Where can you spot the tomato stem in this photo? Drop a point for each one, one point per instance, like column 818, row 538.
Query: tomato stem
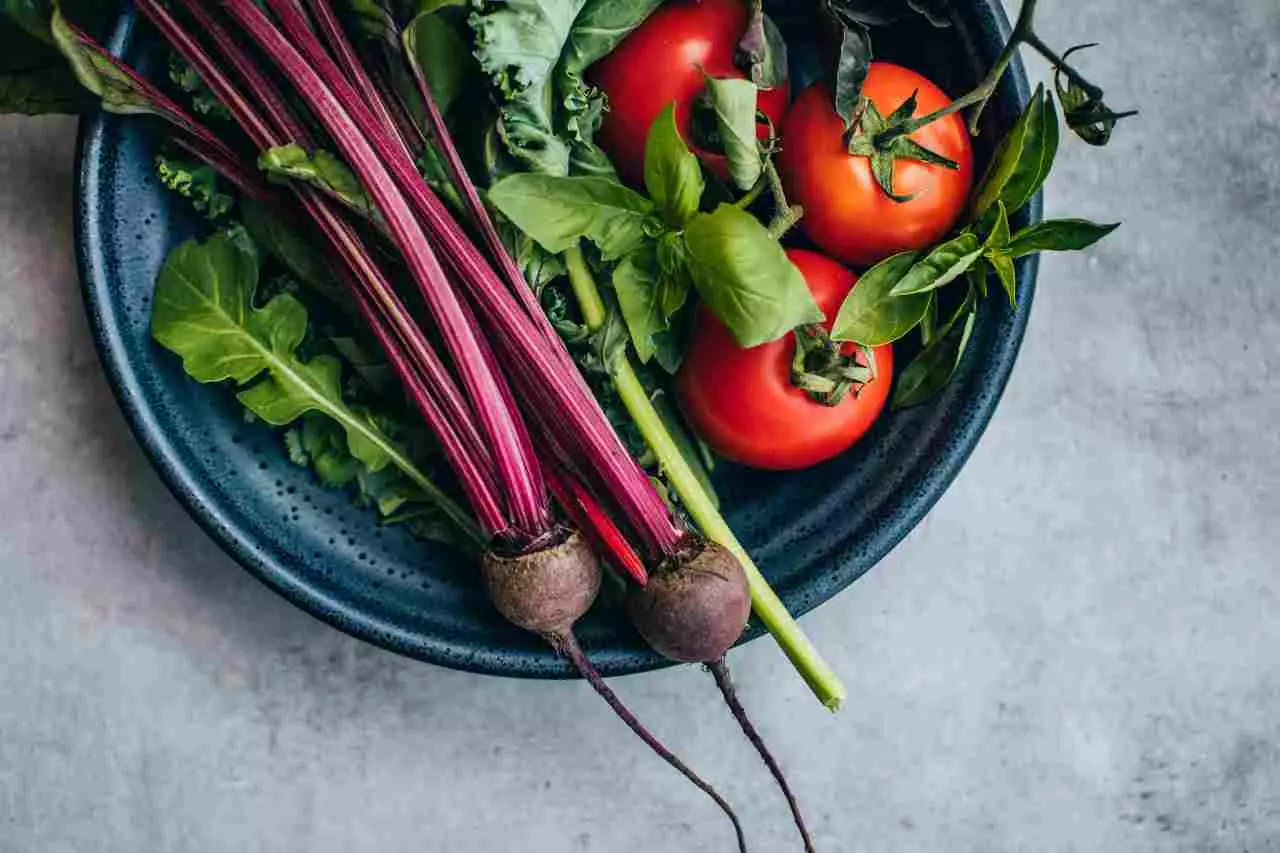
column 701, row 507
column 1023, row 33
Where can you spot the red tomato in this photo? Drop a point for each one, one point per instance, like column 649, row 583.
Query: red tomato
column 846, row 212
column 663, row 61
column 742, row 403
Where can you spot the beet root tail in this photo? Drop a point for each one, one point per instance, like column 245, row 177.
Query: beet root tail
column 720, row 672
column 567, row 646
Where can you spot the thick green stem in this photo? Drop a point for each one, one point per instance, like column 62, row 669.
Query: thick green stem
column 699, row 504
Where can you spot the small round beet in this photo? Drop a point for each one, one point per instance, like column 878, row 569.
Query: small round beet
column 545, row 591
column 695, row 607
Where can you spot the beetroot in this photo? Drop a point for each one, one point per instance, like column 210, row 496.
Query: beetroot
column 696, row 606
column 546, row 591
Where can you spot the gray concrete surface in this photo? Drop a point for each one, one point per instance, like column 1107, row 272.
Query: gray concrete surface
column 1079, row 650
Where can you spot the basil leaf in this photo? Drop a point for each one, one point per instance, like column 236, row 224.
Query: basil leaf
column 648, row 298
column 1023, row 159
column 557, row 212
column 941, row 266
column 433, row 46
column 1008, row 275
column 998, row 239
column 872, row 315
column 1058, row 235
column 671, row 171
column 734, row 103
column 745, row 277
column 930, row 371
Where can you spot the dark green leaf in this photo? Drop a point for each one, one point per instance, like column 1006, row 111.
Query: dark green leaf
column 599, row 27
column 1023, row 159
column 734, row 104
column 998, row 238
column 930, row 371
column 879, row 13
column 1058, row 235
column 648, row 298
column 872, row 315
column 518, row 44
column 292, row 249
column 433, row 45
column 762, row 52
column 851, row 70
column 941, row 266
column 557, row 212
column 745, row 278
column 203, row 100
column 672, row 173
column 1007, row 274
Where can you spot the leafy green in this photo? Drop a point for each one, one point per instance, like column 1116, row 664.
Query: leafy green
column 1058, row 235
column 872, row 315
column 439, row 51
column 203, row 100
column 117, row 91
column 672, row 173
column 943, row 265
column 204, row 312
column 282, row 241
column 557, row 212
column 1023, row 160
column 933, row 368
column 745, row 278
column 649, row 298
column 319, row 169
column 761, row 52
column 196, row 182
column 518, row 44
column 733, row 102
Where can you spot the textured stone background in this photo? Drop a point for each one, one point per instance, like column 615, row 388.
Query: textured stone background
column 1079, row 650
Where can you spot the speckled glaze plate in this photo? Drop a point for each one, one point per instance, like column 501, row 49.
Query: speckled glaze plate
column 813, row 533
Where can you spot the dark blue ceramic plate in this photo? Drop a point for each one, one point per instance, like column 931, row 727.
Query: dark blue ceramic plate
column 813, row 533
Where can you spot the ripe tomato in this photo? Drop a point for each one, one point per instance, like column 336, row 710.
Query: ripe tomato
column 846, row 212
column 663, row 61
column 743, row 404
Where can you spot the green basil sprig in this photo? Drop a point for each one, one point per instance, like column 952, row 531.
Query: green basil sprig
column 664, row 246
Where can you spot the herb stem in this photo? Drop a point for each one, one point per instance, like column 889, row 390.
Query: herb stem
column 700, row 505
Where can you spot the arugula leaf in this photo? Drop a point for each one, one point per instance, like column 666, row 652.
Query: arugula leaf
column 733, row 102
column 672, row 173
column 204, row 312
column 559, row 211
column 745, row 277
column 871, row 315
